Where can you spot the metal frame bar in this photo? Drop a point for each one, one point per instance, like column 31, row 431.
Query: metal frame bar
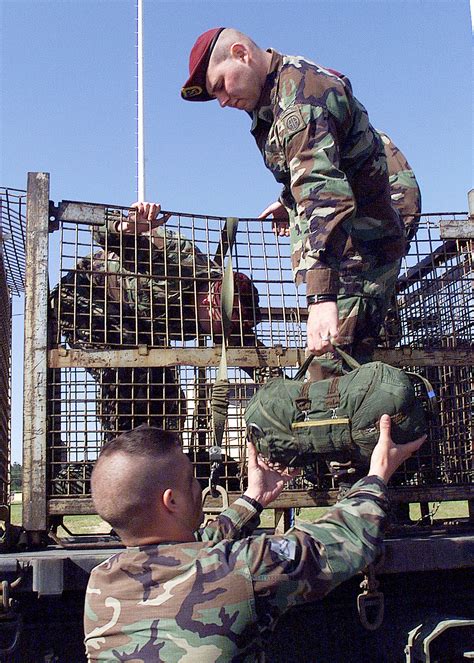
column 291, row 499
column 240, row 357
column 35, row 388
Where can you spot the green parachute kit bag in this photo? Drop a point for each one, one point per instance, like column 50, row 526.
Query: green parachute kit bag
column 295, row 422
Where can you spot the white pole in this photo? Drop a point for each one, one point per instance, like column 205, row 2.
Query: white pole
column 140, row 125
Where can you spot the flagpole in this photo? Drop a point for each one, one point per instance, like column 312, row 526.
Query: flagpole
column 140, row 123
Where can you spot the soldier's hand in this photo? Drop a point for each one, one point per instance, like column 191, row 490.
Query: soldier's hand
column 388, row 456
column 143, row 217
column 322, row 327
column 281, row 221
column 265, row 482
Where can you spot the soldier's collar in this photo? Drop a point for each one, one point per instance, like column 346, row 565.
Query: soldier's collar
column 264, row 108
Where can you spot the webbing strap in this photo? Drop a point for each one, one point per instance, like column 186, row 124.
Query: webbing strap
column 332, row 397
column 311, row 423
column 220, row 390
column 350, row 361
column 303, row 368
column 430, row 392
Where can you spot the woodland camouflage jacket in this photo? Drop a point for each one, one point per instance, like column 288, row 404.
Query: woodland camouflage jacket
column 316, row 139
column 216, row 598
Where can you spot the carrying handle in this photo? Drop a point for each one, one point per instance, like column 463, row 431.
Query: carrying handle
column 350, row 361
column 431, row 401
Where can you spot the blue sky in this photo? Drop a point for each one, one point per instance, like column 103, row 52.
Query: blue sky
column 68, row 99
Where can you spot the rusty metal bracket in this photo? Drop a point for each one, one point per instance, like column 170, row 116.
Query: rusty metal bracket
column 370, row 603
column 213, row 510
column 10, row 619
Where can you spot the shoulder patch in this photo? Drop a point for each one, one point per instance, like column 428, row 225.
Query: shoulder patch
column 284, row 548
column 292, row 121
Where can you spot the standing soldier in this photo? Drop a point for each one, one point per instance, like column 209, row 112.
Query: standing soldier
column 315, row 137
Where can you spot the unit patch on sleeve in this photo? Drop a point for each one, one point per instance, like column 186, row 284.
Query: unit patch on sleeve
column 292, row 121
column 284, row 548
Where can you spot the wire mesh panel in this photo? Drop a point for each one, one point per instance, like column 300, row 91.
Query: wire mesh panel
column 5, row 353
column 12, row 272
column 12, row 231
column 136, row 334
column 436, row 312
column 122, row 300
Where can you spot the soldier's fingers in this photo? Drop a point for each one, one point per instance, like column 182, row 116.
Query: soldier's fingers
column 252, row 454
column 150, row 211
column 410, row 447
column 269, row 210
column 385, row 425
column 140, row 207
column 161, row 221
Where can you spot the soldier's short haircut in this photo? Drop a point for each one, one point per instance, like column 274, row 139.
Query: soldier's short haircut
column 124, row 494
column 142, row 441
column 227, row 37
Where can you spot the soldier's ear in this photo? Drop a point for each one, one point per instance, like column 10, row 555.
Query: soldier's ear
column 168, row 500
column 239, row 52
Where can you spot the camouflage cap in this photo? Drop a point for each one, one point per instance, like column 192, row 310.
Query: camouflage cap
column 195, row 87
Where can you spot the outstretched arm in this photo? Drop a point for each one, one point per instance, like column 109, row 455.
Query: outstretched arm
column 265, row 483
column 313, row 558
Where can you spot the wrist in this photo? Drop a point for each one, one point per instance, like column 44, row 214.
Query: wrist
column 318, row 299
column 257, row 505
column 380, row 473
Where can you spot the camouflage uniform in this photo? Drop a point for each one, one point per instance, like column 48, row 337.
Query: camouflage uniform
column 218, row 598
column 135, row 290
column 346, row 237
column 404, row 189
column 406, row 198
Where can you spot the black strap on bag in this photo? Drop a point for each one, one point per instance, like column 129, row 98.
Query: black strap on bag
column 430, row 395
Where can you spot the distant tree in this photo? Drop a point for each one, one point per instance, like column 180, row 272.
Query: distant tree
column 16, row 477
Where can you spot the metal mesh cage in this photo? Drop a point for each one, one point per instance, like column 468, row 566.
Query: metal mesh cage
column 108, row 302
column 134, row 337
column 12, row 235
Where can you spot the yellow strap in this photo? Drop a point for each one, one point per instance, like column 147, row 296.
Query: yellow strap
column 321, row 422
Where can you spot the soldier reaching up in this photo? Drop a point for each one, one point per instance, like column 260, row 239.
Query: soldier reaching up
column 213, row 596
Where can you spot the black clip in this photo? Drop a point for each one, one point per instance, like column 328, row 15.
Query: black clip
column 370, row 604
column 215, row 456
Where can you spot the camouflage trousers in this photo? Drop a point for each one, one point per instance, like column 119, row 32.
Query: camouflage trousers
column 362, row 304
column 130, row 397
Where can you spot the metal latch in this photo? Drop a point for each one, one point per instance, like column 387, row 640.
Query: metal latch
column 338, row 469
column 215, row 456
column 10, row 619
column 214, row 510
column 370, row 604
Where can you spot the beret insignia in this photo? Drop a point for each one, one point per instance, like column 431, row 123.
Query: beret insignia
column 192, row 91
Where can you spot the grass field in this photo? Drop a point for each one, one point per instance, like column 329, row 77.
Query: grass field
column 94, row 524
